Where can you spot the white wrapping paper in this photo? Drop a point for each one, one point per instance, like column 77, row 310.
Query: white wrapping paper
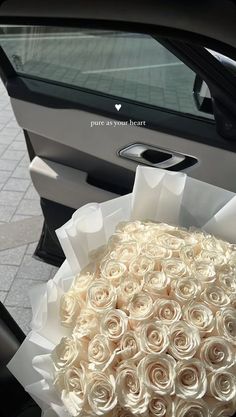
column 157, row 195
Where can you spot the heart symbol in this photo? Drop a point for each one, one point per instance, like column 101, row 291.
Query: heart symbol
column 118, row 107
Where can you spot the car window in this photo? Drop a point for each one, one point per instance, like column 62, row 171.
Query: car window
column 126, row 65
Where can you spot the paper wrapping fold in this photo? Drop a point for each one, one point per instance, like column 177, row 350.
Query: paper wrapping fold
column 157, row 195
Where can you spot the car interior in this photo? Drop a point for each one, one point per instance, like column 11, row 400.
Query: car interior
column 100, row 87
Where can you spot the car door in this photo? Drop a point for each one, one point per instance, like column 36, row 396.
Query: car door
column 101, row 88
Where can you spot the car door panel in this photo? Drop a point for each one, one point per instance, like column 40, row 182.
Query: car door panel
column 96, row 146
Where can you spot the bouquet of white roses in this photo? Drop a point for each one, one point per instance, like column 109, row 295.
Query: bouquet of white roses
column 141, row 317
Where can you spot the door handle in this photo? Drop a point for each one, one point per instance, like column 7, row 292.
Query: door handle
column 156, row 157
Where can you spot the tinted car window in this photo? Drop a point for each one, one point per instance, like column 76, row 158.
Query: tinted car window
column 126, row 65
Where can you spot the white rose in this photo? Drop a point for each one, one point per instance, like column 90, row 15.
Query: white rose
column 228, row 282
column 83, row 281
column 167, row 311
column 210, row 243
column 157, row 373
column 170, row 242
column 121, row 412
column 70, row 306
column 185, row 289
column 188, row 253
column 113, row 271
column 215, row 297
column 101, row 395
column 100, row 352
column 160, row 406
column 125, row 252
column 204, row 271
column 156, row 252
column 129, row 227
column 141, row 265
column 127, row 289
column 71, row 386
column 154, row 337
column 216, row 353
column 226, row 323
column 129, row 345
column 141, row 307
column 175, row 268
column 217, row 258
column 184, row 340
column 200, row 316
column 191, row 380
column 70, row 351
column 222, row 409
column 222, row 385
column 86, row 324
column 131, row 393
column 156, row 283
column 160, row 228
column 191, row 408
column 101, row 296
column 114, row 324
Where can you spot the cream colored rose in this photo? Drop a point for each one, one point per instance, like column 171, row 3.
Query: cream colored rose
column 71, row 385
column 216, row 258
column 100, row 351
column 101, row 296
column 141, row 265
column 167, row 311
column 204, row 271
column 157, row 373
column 70, row 351
column 114, row 324
column 188, row 253
column 125, row 252
column 185, row 289
column 222, row 385
column 129, row 227
column 114, row 271
column 120, row 412
column 170, row 242
column 226, row 323
column 86, row 324
column 210, row 243
column 175, row 268
column 154, row 337
column 184, row 340
column 191, row 408
column 141, row 307
column 156, row 252
column 70, row 306
column 156, row 283
column 127, row 289
column 101, row 392
column 131, row 392
column 129, row 345
column 83, row 281
column 227, row 282
column 200, row 316
column 215, row 297
column 222, row 409
column 160, row 406
column 216, row 353
column 191, row 380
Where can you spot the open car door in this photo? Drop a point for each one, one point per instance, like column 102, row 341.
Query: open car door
column 100, row 87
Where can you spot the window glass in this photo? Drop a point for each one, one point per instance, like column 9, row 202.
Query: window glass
column 131, row 66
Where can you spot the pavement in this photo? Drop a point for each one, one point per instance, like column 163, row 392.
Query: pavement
column 20, row 220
